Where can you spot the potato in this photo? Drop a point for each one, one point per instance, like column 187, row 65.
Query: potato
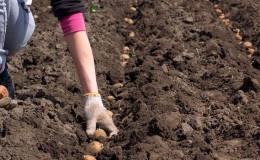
column 124, row 57
column 35, row 16
column 118, row 85
column 221, row 16
column 218, row 11
column 226, row 21
column 126, row 19
column 88, row 157
column 215, row 6
column 237, row 30
column 238, row 37
column 100, row 133
column 133, row 9
column 95, row 147
column 111, row 98
column 130, row 21
column 250, row 51
column 123, row 64
column 132, row 34
column 247, row 44
column 3, row 92
column 126, row 48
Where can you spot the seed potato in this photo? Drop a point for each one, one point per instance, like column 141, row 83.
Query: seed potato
column 133, row 9
column 238, row 37
column 118, row 85
column 247, row 44
column 100, row 133
column 95, row 147
column 132, row 34
column 250, row 51
column 88, row 157
column 3, row 92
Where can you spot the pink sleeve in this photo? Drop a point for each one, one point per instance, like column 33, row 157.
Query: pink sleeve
column 72, row 23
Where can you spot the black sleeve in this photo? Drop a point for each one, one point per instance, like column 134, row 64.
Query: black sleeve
column 62, row 8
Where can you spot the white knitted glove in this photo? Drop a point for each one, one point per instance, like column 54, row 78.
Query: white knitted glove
column 96, row 114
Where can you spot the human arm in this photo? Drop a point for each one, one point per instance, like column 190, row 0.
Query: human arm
column 74, row 30
column 95, row 112
column 81, row 52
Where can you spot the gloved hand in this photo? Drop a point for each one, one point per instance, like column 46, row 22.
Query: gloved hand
column 96, row 114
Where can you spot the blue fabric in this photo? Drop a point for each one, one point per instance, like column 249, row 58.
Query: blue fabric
column 20, row 25
column 6, row 81
column 16, row 28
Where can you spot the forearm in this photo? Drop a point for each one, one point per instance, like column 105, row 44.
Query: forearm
column 82, row 55
column 69, row 13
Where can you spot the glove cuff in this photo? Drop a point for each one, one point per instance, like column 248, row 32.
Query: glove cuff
column 90, row 94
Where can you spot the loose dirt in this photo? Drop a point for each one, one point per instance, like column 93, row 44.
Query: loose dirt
column 189, row 91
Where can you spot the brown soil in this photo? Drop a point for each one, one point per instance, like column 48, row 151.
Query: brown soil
column 190, row 90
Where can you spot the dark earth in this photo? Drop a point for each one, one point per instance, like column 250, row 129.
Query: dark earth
column 190, row 91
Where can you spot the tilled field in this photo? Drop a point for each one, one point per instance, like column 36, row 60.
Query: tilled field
column 190, row 88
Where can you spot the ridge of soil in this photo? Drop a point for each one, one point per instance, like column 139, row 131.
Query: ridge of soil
column 190, row 91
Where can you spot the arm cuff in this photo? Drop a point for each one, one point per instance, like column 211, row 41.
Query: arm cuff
column 91, row 94
column 72, row 23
